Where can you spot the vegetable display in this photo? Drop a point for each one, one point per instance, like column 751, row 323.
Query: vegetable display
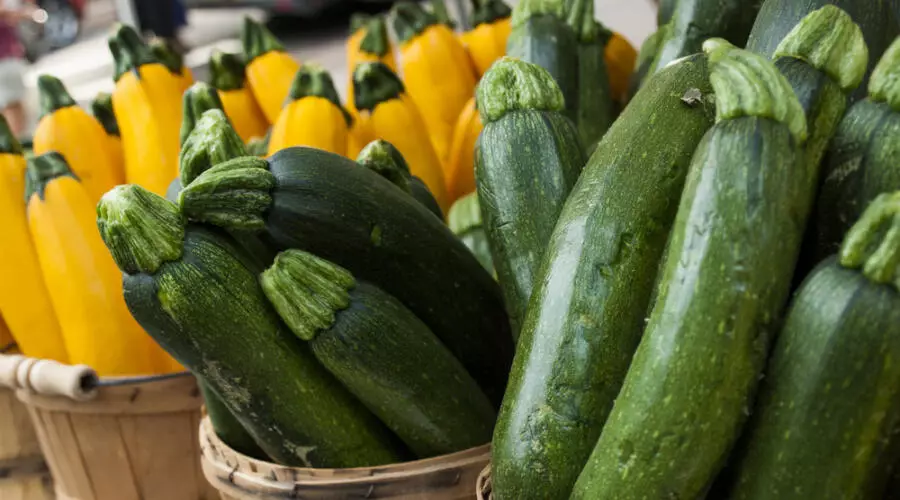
column 486, row 40
column 102, row 109
column 384, row 159
column 227, row 76
column 270, row 70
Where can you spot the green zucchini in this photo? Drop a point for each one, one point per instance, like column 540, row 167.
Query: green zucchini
column 323, row 203
column 212, row 140
column 465, row 221
column 863, row 159
column 196, row 293
column 825, row 424
column 665, row 11
column 694, row 21
column 198, row 99
column 259, row 146
column 591, row 293
column 541, row 36
column 385, row 160
column 407, row 377
column 227, row 427
column 727, row 274
column 645, row 58
column 596, row 109
column 527, row 159
column 777, row 18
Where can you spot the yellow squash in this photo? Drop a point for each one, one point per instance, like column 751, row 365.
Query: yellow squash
column 24, row 299
column 620, row 58
column 386, row 110
column 461, row 164
column 270, row 70
column 172, row 59
column 437, row 71
column 147, row 105
column 85, row 284
column 69, row 130
column 313, row 115
column 486, row 41
column 368, row 43
column 227, row 76
column 360, row 133
column 102, row 109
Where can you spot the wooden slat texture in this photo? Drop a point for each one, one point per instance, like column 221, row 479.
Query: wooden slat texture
column 106, row 458
column 161, row 456
column 28, row 488
column 23, row 473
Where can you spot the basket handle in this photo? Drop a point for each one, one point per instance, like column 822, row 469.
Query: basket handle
column 48, row 378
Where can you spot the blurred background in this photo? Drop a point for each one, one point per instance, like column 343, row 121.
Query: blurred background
column 67, row 38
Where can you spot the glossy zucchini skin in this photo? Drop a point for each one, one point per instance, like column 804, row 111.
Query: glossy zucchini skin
column 591, row 293
column 423, row 195
column 778, row 17
column 227, row 427
column 726, row 277
column 207, row 310
column 596, row 111
column 825, row 423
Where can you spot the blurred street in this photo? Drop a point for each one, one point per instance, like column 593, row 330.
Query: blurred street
column 86, row 66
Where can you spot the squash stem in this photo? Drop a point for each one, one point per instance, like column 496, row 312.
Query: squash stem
column 167, row 55
column 581, row 20
column 129, row 51
column 198, row 99
column 226, row 71
column 526, row 9
column 313, row 80
column 489, row 11
column 409, row 20
column 873, row 243
column 211, row 141
column 102, row 109
column 306, row 291
column 512, row 84
column 234, row 194
column 257, row 40
column 8, row 142
column 41, row 170
column 359, row 20
column 374, row 83
column 384, row 159
column 884, row 86
column 52, row 95
column 142, row 230
column 376, row 41
column 439, row 10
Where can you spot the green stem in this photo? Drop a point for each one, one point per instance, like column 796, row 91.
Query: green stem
column 359, row 20
column 884, row 86
column 873, row 243
column 130, row 51
column 376, row 40
column 198, row 99
column 409, row 20
column 489, row 11
column 52, row 95
column 581, row 20
column 313, row 80
column 226, row 71
column 41, row 170
column 167, row 55
column 465, row 214
column 384, row 159
column 526, row 9
column 233, row 195
column 257, row 40
column 8, row 142
column 306, row 291
column 102, row 109
column 439, row 10
column 142, row 230
column 747, row 84
column 512, row 84
column 827, row 39
column 212, row 141
column 374, row 83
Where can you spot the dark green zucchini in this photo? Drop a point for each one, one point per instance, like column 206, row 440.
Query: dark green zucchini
column 384, row 159
column 596, row 109
column 227, row 427
column 312, row 200
column 591, row 293
column 694, row 21
column 465, row 221
column 863, row 159
column 198, row 99
column 196, row 293
column 665, row 11
column 777, row 18
column 726, row 277
column 541, row 36
column 827, row 420
column 527, row 159
column 382, row 353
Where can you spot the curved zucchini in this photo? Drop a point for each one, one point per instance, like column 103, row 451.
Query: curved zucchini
column 464, row 220
column 591, row 293
column 312, row 200
column 407, row 378
column 726, row 276
column 825, row 423
column 175, row 275
column 595, row 101
column 383, row 158
column 540, row 36
column 526, row 161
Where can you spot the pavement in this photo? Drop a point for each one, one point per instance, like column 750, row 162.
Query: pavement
column 86, row 66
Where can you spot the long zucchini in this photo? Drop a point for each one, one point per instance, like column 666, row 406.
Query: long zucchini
column 526, row 161
column 319, row 202
column 407, row 377
column 591, row 293
column 196, row 293
column 726, row 276
column 383, row 158
column 595, row 100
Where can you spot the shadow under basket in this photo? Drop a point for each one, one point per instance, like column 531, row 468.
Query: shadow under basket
column 23, row 472
column 238, row 477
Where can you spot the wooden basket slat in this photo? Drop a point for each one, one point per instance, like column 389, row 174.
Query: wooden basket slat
column 23, row 473
column 61, row 448
column 106, row 460
column 167, row 472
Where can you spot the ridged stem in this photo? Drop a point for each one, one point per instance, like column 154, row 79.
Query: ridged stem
column 581, row 20
column 747, row 84
column 526, row 9
column 313, row 80
column 226, row 71
column 166, row 54
column 512, row 84
column 41, row 170
column 409, row 20
column 234, row 194
column 212, row 141
column 465, row 214
column 376, row 40
column 828, row 40
column 374, row 83
column 306, row 291
column 488, row 11
column 384, row 159
column 358, row 20
column 439, row 10
column 52, row 95
column 8, row 142
column 257, row 40
column 873, row 243
column 130, row 51
column 198, row 99
column 102, row 109
column 884, row 86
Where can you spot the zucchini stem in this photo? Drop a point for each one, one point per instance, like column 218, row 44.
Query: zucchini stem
column 257, row 40
column 102, row 109
column 313, row 80
column 374, row 83
column 375, row 41
column 197, row 100
column 233, row 194
column 873, row 243
column 129, row 51
column 8, row 142
column 41, row 170
column 526, row 9
column 409, row 20
column 512, row 84
column 167, row 55
column 226, row 71
column 884, row 86
column 212, row 141
column 488, row 11
column 52, row 95
column 384, row 159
